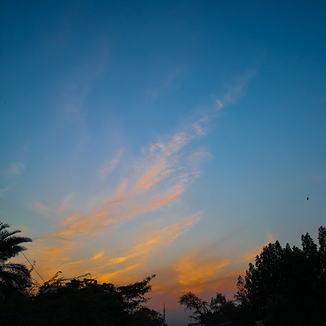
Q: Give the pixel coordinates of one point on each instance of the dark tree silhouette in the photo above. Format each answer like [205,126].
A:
[199,308]
[147,317]
[59,301]
[219,311]
[82,301]
[287,286]
[14,278]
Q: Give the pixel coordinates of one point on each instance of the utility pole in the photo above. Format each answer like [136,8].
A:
[164,323]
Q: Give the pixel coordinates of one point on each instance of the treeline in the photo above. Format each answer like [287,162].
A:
[82,301]
[76,301]
[285,286]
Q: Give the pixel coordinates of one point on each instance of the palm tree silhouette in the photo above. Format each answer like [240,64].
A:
[14,278]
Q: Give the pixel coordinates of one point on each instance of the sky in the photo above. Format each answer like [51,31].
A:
[174,138]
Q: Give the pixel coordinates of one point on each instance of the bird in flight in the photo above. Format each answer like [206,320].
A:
[307,198]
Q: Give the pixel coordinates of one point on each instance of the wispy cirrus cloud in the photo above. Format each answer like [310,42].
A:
[160,175]
[146,244]
[237,90]
[201,125]
[56,253]
[155,181]
[52,210]
[219,105]
[110,165]
[115,210]
[13,169]
[43,210]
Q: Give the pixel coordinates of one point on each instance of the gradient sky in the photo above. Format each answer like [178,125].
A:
[166,137]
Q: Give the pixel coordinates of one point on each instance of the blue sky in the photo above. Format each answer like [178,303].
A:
[167,137]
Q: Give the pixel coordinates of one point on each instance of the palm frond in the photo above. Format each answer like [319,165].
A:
[13,277]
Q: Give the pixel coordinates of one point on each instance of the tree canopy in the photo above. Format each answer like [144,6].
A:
[287,286]
[218,311]
[83,301]
[67,301]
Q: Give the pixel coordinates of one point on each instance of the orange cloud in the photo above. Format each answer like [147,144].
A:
[112,212]
[193,271]
[59,255]
[146,181]
[117,276]
[138,251]
[151,239]
[173,193]
[164,292]
[99,255]
[118,260]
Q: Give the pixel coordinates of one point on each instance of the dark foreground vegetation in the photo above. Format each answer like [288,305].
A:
[285,286]
[76,301]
